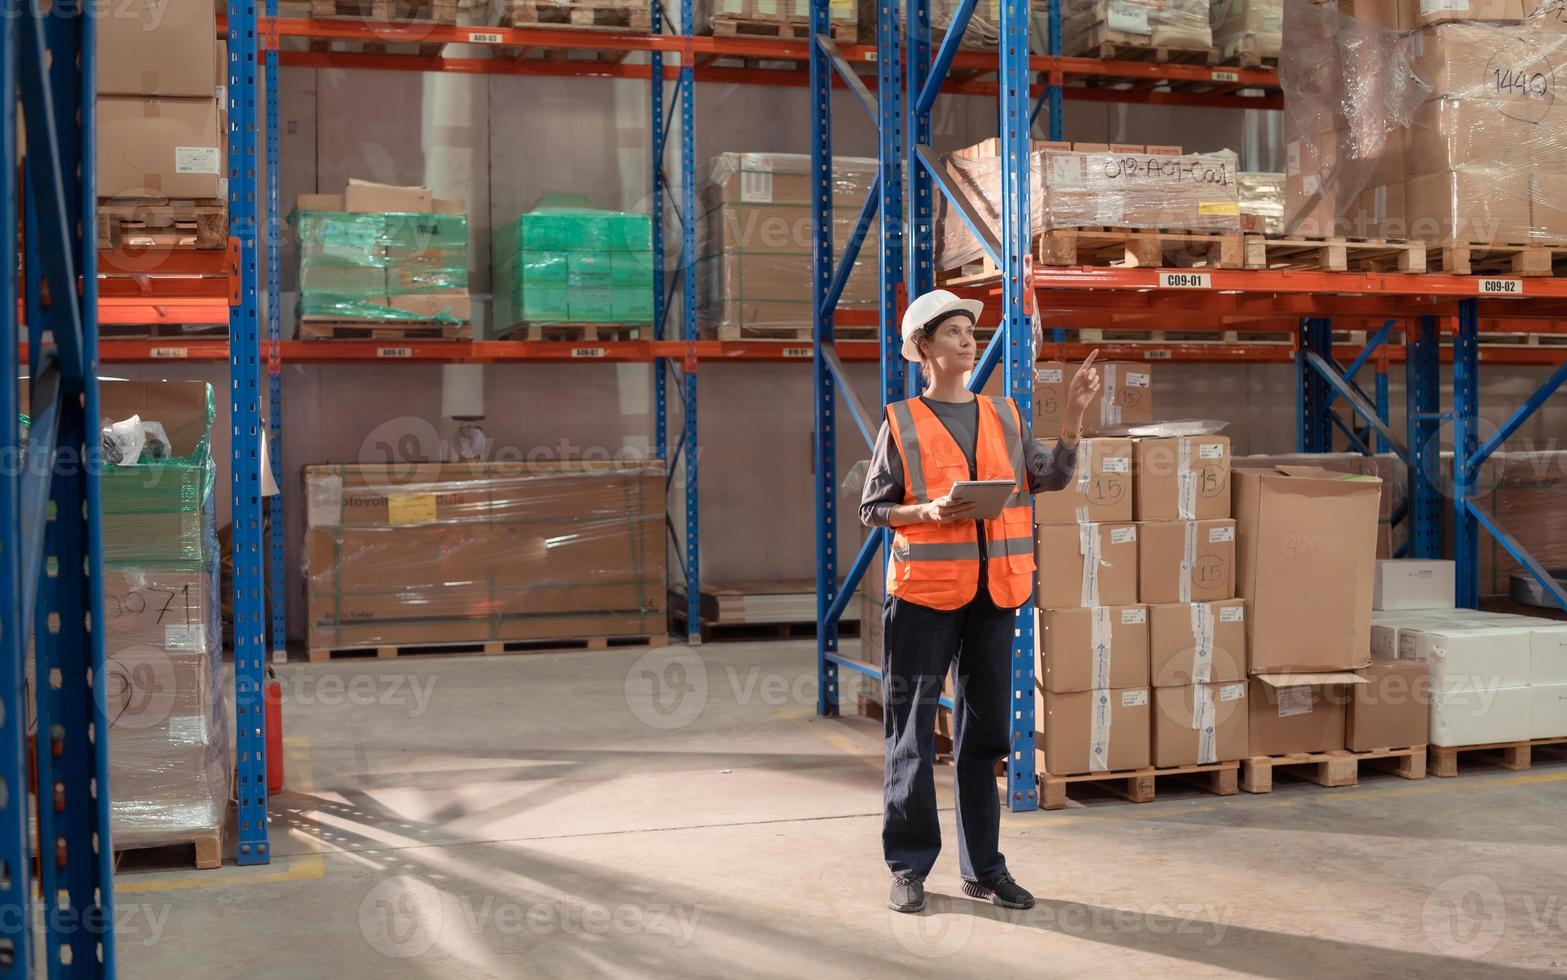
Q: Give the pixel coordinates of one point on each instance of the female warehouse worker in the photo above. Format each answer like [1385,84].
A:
[953,585]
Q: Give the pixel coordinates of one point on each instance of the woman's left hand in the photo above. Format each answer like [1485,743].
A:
[1085,385]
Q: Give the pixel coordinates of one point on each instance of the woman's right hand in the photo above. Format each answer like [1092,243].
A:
[945,510]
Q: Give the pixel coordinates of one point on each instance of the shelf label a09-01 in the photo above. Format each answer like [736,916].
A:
[1500,287]
[394,352]
[1185,280]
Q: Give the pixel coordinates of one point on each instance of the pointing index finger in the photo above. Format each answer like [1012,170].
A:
[1089,359]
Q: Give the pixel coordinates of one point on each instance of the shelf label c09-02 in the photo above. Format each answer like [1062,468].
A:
[395,353]
[1500,287]
[1185,280]
[588,352]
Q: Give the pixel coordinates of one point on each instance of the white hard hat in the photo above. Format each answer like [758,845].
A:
[931,308]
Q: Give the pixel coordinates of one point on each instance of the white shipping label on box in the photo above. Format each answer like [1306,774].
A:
[1234,614]
[1118,465]
[184,636]
[1429,7]
[1294,701]
[325,504]
[1137,379]
[1134,699]
[1047,376]
[1066,171]
[756,186]
[1292,158]
[197,160]
[1221,534]
[1210,450]
[1232,692]
[1134,617]
[1310,184]
[1129,18]
[1123,535]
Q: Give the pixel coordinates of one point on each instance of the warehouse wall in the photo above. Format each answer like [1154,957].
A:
[500,143]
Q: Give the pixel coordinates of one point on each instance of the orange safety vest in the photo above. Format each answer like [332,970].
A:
[937,565]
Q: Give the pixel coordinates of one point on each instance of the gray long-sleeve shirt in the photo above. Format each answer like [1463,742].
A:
[1048,469]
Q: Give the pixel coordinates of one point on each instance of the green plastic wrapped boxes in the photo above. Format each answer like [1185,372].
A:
[564,262]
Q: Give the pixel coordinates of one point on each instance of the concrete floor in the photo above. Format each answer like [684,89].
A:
[668,813]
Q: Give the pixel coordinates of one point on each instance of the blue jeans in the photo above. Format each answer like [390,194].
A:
[921,645]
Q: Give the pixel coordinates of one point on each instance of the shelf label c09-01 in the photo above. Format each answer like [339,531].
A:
[1185,280]
[395,353]
[1500,287]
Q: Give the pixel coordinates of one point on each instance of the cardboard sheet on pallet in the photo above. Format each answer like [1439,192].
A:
[1299,712]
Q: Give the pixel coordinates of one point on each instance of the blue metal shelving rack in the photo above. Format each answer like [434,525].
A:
[900,111]
[684,375]
[51,546]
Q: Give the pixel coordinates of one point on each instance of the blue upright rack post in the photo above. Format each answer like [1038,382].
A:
[824,411]
[659,127]
[1423,407]
[16,932]
[273,230]
[1466,413]
[53,547]
[1017,286]
[250,622]
[693,562]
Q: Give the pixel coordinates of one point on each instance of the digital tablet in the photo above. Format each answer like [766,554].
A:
[988,496]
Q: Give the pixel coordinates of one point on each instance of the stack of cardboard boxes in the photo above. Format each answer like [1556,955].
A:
[565,262]
[1444,128]
[1088,25]
[1251,31]
[755,242]
[382,256]
[1487,677]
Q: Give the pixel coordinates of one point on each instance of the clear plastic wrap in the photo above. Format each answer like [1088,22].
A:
[1447,134]
[1086,25]
[1249,27]
[169,761]
[566,262]
[1069,189]
[754,242]
[478,552]
[1262,202]
[382,266]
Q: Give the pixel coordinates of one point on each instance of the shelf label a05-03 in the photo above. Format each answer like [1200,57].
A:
[1500,287]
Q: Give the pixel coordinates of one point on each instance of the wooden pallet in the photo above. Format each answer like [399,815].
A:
[574,331]
[797,335]
[206,848]
[161,223]
[401,18]
[779,28]
[626,18]
[1340,767]
[1517,756]
[1246,52]
[160,331]
[1135,785]
[314,329]
[490,647]
[1110,45]
[1118,247]
[1334,254]
[752,632]
[1501,259]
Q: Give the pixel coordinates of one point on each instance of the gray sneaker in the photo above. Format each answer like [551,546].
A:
[908,894]
[1002,891]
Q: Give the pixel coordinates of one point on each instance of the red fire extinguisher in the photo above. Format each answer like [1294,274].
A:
[274,720]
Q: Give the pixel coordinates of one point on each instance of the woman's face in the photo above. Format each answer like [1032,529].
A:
[951,347]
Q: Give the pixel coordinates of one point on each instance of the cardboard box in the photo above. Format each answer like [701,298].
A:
[1305,558]
[1186,561]
[1164,151]
[457,306]
[1182,478]
[1480,717]
[1486,131]
[155,609]
[1199,724]
[1391,710]
[1470,657]
[1299,712]
[1548,654]
[1426,13]
[1413,583]
[1548,203]
[1095,731]
[1197,642]
[1101,487]
[783,178]
[160,148]
[1395,15]
[1093,148]
[1548,710]
[1085,565]
[1464,206]
[1125,396]
[158,48]
[1547,15]
[1085,649]
[363,196]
